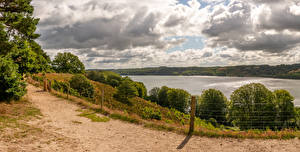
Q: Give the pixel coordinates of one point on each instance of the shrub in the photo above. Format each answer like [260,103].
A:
[82,85]
[150,113]
[163,97]
[153,94]
[213,122]
[285,108]
[142,91]
[212,105]
[126,91]
[178,99]
[252,107]
[11,88]
[96,76]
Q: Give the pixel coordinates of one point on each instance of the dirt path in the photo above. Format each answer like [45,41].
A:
[59,115]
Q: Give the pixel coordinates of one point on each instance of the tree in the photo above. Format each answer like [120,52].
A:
[17,35]
[114,79]
[285,107]
[252,106]
[67,63]
[142,90]
[11,88]
[96,76]
[163,97]
[178,99]
[153,94]
[126,91]
[82,85]
[16,23]
[212,104]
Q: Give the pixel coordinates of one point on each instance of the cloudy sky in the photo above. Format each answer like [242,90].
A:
[150,33]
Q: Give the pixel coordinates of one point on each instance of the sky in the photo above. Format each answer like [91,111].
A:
[111,34]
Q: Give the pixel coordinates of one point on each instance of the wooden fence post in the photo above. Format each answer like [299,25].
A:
[192,118]
[49,85]
[45,84]
[102,98]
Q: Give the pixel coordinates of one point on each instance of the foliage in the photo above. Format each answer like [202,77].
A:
[64,87]
[252,106]
[82,85]
[114,79]
[142,90]
[285,108]
[212,104]
[178,99]
[11,88]
[96,76]
[67,63]
[150,113]
[163,97]
[126,91]
[279,71]
[153,94]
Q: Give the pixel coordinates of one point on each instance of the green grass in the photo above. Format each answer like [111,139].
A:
[125,118]
[93,116]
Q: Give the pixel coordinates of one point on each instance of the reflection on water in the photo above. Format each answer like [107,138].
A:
[196,84]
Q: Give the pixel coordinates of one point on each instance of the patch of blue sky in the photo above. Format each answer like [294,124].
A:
[192,42]
[203,3]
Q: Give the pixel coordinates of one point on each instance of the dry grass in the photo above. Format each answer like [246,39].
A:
[130,113]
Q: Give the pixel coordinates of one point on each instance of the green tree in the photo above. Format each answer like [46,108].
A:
[285,107]
[142,90]
[126,90]
[153,94]
[252,106]
[16,23]
[212,104]
[163,97]
[82,85]
[96,76]
[67,63]
[114,79]
[178,99]
[11,88]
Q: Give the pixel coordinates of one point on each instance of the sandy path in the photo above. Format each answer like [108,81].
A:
[119,136]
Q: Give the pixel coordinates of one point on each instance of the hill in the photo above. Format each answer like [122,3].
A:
[279,71]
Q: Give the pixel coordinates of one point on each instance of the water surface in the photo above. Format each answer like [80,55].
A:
[196,84]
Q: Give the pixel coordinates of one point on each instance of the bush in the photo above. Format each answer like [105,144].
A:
[213,122]
[285,108]
[153,94]
[212,105]
[96,76]
[126,91]
[64,88]
[11,88]
[252,107]
[179,99]
[82,85]
[142,91]
[150,113]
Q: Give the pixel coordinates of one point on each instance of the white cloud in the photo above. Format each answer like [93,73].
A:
[134,33]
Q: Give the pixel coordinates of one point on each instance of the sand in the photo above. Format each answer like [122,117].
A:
[60,115]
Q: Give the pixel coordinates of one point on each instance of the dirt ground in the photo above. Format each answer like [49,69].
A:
[64,131]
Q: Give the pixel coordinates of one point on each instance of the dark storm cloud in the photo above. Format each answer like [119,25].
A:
[105,33]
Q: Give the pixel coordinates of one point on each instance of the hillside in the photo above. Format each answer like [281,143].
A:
[279,71]
[60,128]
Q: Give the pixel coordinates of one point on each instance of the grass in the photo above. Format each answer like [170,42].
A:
[125,118]
[14,117]
[172,120]
[93,116]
